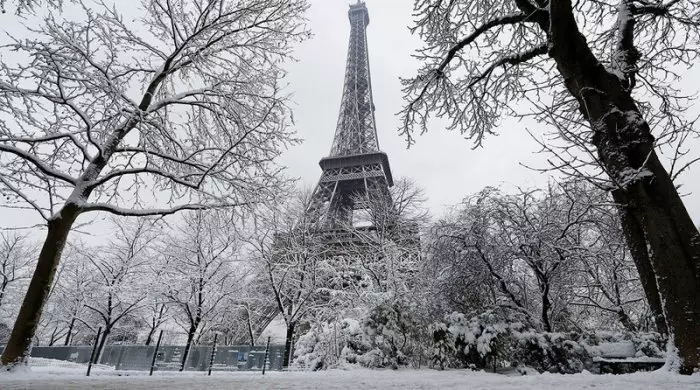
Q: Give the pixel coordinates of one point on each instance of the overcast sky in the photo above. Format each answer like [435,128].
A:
[441,162]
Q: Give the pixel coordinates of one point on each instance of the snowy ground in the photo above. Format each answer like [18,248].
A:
[73,377]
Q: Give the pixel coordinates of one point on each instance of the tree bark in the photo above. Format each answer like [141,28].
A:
[101,345]
[251,333]
[288,344]
[546,305]
[636,242]
[190,337]
[155,323]
[20,342]
[53,338]
[625,147]
[626,321]
[70,332]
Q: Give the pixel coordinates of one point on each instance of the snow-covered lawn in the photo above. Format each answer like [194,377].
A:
[73,377]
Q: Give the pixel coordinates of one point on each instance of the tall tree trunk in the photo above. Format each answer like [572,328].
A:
[154,325]
[70,332]
[19,345]
[53,338]
[102,343]
[251,332]
[636,242]
[288,343]
[149,338]
[188,345]
[546,306]
[625,147]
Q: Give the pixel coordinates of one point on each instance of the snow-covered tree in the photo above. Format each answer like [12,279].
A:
[202,273]
[16,260]
[176,108]
[295,264]
[156,310]
[117,287]
[66,305]
[609,285]
[539,254]
[604,75]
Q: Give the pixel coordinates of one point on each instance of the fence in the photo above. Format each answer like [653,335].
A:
[169,357]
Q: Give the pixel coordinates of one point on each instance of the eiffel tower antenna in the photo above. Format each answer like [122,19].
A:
[355,165]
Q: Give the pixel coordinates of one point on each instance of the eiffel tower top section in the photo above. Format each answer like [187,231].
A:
[356,132]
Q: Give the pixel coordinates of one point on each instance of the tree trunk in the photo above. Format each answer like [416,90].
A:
[149,338]
[154,325]
[53,338]
[625,147]
[251,333]
[626,321]
[190,337]
[636,242]
[546,306]
[288,344]
[70,332]
[101,345]
[20,342]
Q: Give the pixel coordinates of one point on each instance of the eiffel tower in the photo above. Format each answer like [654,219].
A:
[355,166]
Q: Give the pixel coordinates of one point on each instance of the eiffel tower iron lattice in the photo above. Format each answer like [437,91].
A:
[355,165]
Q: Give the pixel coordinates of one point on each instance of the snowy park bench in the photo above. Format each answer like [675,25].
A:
[619,358]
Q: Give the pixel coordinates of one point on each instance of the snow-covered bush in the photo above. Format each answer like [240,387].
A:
[311,352]
[474,342]
[387,335]
[388,329]
[332,344]
[553,352]
[650,344]
[480,341]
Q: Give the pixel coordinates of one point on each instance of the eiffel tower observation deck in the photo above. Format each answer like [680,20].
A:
[355,165]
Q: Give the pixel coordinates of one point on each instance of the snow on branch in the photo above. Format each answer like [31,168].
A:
[38,163]
[188,107]
[125,212]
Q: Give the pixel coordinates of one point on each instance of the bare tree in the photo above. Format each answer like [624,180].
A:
[15,266]
[71,292]
[157,308]
[610,282]
[117,290]
[183,101]
[296,264]
[523,251]
[201,273]
[603,74]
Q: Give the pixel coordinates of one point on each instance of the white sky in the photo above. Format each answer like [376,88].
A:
[441,162]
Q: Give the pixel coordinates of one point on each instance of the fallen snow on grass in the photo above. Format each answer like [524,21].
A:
[359,379]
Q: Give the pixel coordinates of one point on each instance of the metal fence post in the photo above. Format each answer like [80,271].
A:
[94,349]
[267,350]
[291,352]
[213,353]
[155,353]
